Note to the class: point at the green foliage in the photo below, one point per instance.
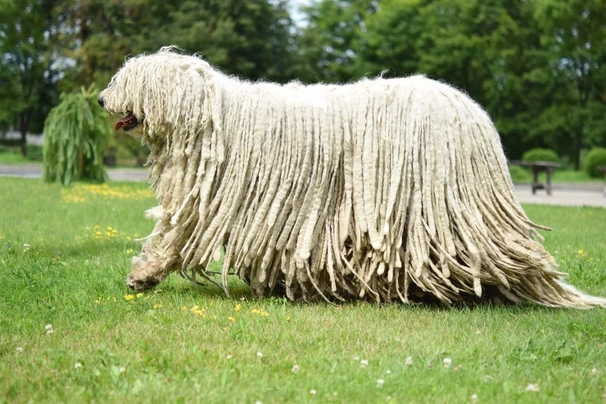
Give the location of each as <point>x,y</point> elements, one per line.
<point>519,174</point>
<point>595,158</point>
<point>64,253</point>
<point>75,133</point>
<point>28,73</point>
<point>330,42</point>
<point>35,153</point>
<point>536,66</point>
<point>250,38</point>
<point>540,154</point>
<point>12,155</point>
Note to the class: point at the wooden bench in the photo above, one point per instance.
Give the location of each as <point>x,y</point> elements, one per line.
<point>602,169</point>
<point>538,167</point>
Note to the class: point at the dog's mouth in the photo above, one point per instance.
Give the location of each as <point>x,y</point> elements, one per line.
<point>127,123</point>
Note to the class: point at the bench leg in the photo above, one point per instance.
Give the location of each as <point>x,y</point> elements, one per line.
<point>535,180</point>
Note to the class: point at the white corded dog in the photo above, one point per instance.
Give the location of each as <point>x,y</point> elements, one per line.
<point>390,189</point>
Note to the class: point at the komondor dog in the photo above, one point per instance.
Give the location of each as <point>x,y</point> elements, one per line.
<point>388,189</point>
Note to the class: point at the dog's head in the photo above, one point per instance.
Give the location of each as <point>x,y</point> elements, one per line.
<point>158,94</point>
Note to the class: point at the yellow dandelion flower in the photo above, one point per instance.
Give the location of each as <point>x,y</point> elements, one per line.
<point>231,319</point>
<point>259,312</point>
<point>129,297</point>
<point>157,306</point>
<point>238,307</point>
<point>198,311</point>
<point>581,253</point>
<point>184,308</point>
<point>139,294</point>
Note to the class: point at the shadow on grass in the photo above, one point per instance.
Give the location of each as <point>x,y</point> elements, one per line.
<point>239,290</point>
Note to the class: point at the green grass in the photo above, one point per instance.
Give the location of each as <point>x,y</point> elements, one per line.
<point>13,155</point>
<point>65,252</point>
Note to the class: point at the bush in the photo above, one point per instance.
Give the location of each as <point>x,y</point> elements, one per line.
<point>595,158</point>
<point>34,152</point>
<point>539,154</point>
<point>519,174</point>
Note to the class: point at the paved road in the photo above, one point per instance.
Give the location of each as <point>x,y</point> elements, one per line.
<point>562,194</point>
<point>35,171</point>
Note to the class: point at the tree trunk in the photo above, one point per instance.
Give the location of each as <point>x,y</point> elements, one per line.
<point>23,124</point>
<point>578,146</point>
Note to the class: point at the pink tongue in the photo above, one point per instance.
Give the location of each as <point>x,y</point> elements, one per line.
<point>123,122</point>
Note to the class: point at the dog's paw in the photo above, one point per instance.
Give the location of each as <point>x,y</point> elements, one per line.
<point>140,284</point>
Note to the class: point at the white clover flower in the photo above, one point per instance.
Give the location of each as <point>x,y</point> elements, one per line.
<point>474,398</point>
<point>380,382</point>
<point>312,392</point>
<point>49,329</point>
<point>363,363</point>
<point>447,362</point>
<point>532,387</point>
<point>78,365</point>
<point>388,372</point>
<point>229,357</point>
<point>408,361</point>
<point>295,369</point>
<point>260,354</point>
<point>19,349</point>
<point>594,371</point>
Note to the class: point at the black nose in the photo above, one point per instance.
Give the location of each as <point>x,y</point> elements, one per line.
<point>101,102</point>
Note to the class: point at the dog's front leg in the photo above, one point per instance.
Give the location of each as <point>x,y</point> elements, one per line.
<point>157,260</point>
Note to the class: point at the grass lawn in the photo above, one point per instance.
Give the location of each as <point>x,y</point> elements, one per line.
<point>70,331</point>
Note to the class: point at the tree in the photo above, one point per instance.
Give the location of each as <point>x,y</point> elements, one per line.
<point>537,67</point>
<point>75,131</point>
<point>27,73</point>
<point>574,37</point>
<point>250,39</point>
<point>96,36</point>
<point>329,45</point>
